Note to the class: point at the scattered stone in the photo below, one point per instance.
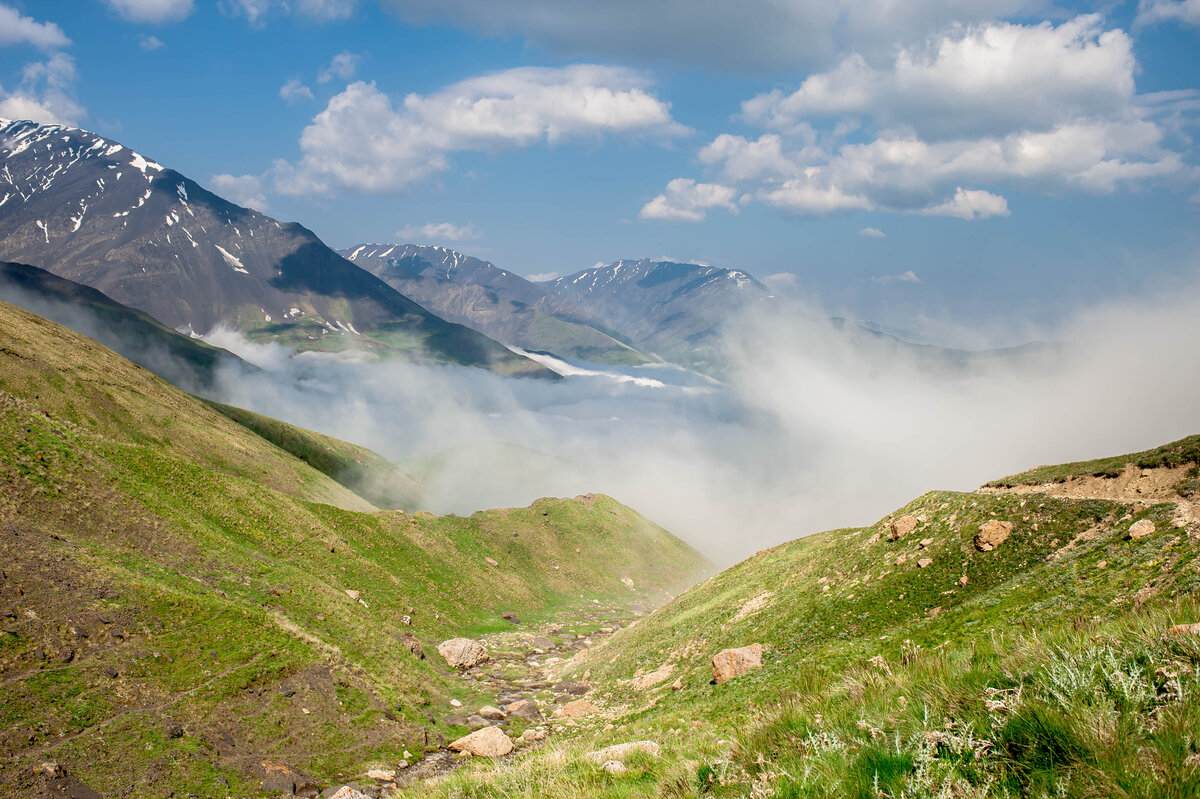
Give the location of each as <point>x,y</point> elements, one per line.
<point>174,729</point>
<point>1141,529</point>
<point>992,534</point>
<point>572,687</point>
<point>902,527</point>
<point>279,779</point>
<point>51,769</point>
<point>477,722</point>
<point>542,643</point>
<point>677,685</point>
<point>752,606</point>
<point>110,672</point>
<point>628,583</point>
<point>900,561</point>
<point>614,767</point>
<point>490,562</point>
<point>730,663</point>
<point>488,742</point>
<point>462,653</point>
<point>619,752</point>
<point>1102,564</point>
<point>925,542</point>
<point>924,562</point>
<point>510,617</point>
<point>525,709</point>
<point>350,592</point>
<point>382,775</point>
<point>413,645</point>
<point>653,678</point>
<point>455,703</point>
<point>492,713</point>
<point>576,709</point>
<point>344,792</point>
<point>963,580</point>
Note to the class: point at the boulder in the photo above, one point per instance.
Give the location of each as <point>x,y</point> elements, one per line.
<point>279,779</point>
<point>653,678</point>
<point>924,563</point>
<point>382,774</point>
<point>477,722</point>
<point>490,562</point>
<point>542,643</point>
<point>488,742</point>
<point>614,767</point>
<point>510,617</point>
<point>412,644</point>
<point>491,713</point>
<point>1141,529</point>
<point>573,687</point>
<point>992,534</point>
<point>730,663</point>
<point>346,792</point>
<point>925,542</point>
<point>353,594</point>
<point>902,527</point>
<point>525,709</point>
<point>619,752</point>
<point>462,653</point>
<point>577,709</point>
<point>628,583</point>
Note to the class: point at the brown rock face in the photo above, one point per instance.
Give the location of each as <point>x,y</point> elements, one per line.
<point>488,742</point>
<point>730,663</point>
<point>462,653</point>
<point>902,527</point>
<point>992,534</point>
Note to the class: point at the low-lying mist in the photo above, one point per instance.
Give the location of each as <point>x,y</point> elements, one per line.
<point>816,425</point>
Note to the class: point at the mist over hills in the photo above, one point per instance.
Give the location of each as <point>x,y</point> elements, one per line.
<point>91,210</point>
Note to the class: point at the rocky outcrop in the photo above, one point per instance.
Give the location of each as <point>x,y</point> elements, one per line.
<point>902,527</point>
<point>992,534</point>
<point>462,653</point>
<point>730,663</point>
<point>488,742</point>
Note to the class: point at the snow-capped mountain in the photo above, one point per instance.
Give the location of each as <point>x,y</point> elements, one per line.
<point>91,210</point>
<point>494,301</point>
<point>671,309</point>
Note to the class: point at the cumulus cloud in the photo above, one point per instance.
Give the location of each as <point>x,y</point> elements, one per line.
<point>16,28</point>
<point>257,12</point>
<point>244,190</point>
<point>685,200</point>
<point>151,12</point>
<point>752,35</point>
<point>1152,12</point>
<point>938,129</point>
<point>46,93</point>
<point>294,91</point>
<point>363,141</point>
<point>908,277</point>
<point>872,233</point>
<point>149,43</point>
<point>343,66</point>
<point>326,10</point>
<point>438,231</point>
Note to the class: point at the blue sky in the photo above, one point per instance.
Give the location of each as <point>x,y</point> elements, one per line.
<point>930,166</point>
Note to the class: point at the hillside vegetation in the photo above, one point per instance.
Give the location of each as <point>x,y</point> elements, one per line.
<point>1064,661</point>
<point>182,599</point>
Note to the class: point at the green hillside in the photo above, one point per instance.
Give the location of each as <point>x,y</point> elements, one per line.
<point>165,565</point>
<point>1051,665</point>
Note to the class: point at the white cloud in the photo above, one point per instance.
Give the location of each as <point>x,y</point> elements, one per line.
<point>908,277</point>
<point>872,233</point>
<point>362,141</point>
<point>148,43</point>
<point>438,231</point>
<point>969,204</point>
<point>781,281</point>
<point>1151,12</point>
<point>294,91</point>
<point>18,29</point>
<point>542,277</point>
<point>151,12</point>
<point>769,35</point>
<point>343,66</point>
<point>803,196</point>
<point>685,200</point>
<point>46,93</point>
<point>994,78</point>
<point>256,12</point>
<point>326,10</point>
<point>245,190</point>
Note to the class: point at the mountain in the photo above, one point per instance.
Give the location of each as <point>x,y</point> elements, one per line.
<point>1039,636</point>
<point>494,301</point>
<point>188,608</point>
<point>93,211</point>
<point>672,310</point>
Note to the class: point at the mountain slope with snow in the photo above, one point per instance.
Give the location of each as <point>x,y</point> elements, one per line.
<point>93,211</point>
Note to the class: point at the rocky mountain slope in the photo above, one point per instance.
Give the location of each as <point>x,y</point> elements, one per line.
<point>1040,636</point>
<point>494,301</point>
<point>186,606</point>
<point>91,210</point>
<point>669,309</point>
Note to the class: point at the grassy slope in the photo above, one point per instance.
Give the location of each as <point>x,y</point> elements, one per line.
<point>1177,453</point>
<point>364,472</point>
<point>144,534</point>
<point>877,676</point>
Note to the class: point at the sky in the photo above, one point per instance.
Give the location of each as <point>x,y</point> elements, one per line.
<point>969,172</point>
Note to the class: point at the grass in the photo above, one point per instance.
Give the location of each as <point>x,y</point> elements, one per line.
<point>1179,453</point>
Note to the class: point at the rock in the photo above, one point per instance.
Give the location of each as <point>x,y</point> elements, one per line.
<point>51,769</point>
<point>174,730</point>
<point>1185,629</point>
<point>491,713</point>
<point>510,617</point>
<point>278,778</point>
<point>462,653</point>
<point>652,678</point>
<point>619,752</point>
<point>110,672</point>
<point>613,767</point>
<point>542,643</point>
<point>488,742</point>
<point>900,561</point>
<point>490,562</point>
<point>350,592</point>
<point>924,562</point>
<point>383,775</point>
<point>992,534</point>
<point>576,709</point>
<point>525,709</point>
<point>572,687</point>
<point>455,703</point>
<point>925,542</point>
<point>628,583</point>
<point>902,527</point>
<point>730,663</point>
<point>477,722</point>
<point>1141,529</point>
<point>345,792</point>
<point>413,645</point>
<point>677,685</point>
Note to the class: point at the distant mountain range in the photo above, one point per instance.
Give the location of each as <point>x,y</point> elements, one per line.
<point>494,301</point>
<point>91,210</point>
